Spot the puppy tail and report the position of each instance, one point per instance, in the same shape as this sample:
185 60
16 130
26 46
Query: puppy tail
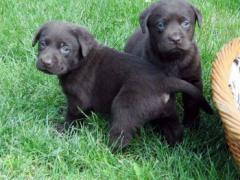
178 85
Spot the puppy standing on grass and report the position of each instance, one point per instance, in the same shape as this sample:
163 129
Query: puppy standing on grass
166 40
94 77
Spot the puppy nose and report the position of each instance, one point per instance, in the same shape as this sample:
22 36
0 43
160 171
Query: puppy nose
176 38
47 62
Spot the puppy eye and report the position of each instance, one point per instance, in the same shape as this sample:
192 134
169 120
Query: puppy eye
65 50
185 24
161 25
42 44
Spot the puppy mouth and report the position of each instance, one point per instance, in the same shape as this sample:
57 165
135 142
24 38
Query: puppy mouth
44 70
47 71
178 49
180 46
58 71
176 53
175 50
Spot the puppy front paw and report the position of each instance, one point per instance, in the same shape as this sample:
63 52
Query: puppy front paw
173 135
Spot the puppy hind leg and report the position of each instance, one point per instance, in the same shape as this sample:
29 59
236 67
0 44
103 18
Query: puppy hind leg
123 128
126 120
120 137
131 109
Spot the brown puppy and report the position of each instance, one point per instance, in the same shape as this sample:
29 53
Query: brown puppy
166 40
97 78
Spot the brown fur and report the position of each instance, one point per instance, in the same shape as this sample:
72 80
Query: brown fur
97 78
166 40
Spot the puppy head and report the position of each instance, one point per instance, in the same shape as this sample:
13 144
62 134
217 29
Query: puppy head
170 24
62 46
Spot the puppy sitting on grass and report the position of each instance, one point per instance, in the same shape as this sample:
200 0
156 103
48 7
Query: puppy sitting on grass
97 78
165 38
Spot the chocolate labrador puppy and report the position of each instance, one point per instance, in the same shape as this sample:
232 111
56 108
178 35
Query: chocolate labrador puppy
166 40
97 78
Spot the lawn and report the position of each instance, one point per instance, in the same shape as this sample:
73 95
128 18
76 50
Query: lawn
31 103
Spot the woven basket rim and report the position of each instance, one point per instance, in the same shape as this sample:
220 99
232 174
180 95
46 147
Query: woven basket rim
217 65
223 97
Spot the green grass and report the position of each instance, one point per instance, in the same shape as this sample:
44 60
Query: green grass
31 103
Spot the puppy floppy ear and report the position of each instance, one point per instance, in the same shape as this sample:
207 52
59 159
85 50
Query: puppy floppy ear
37 35
85 39
198 16
143 20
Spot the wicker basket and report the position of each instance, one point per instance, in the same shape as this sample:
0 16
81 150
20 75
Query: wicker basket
223 97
